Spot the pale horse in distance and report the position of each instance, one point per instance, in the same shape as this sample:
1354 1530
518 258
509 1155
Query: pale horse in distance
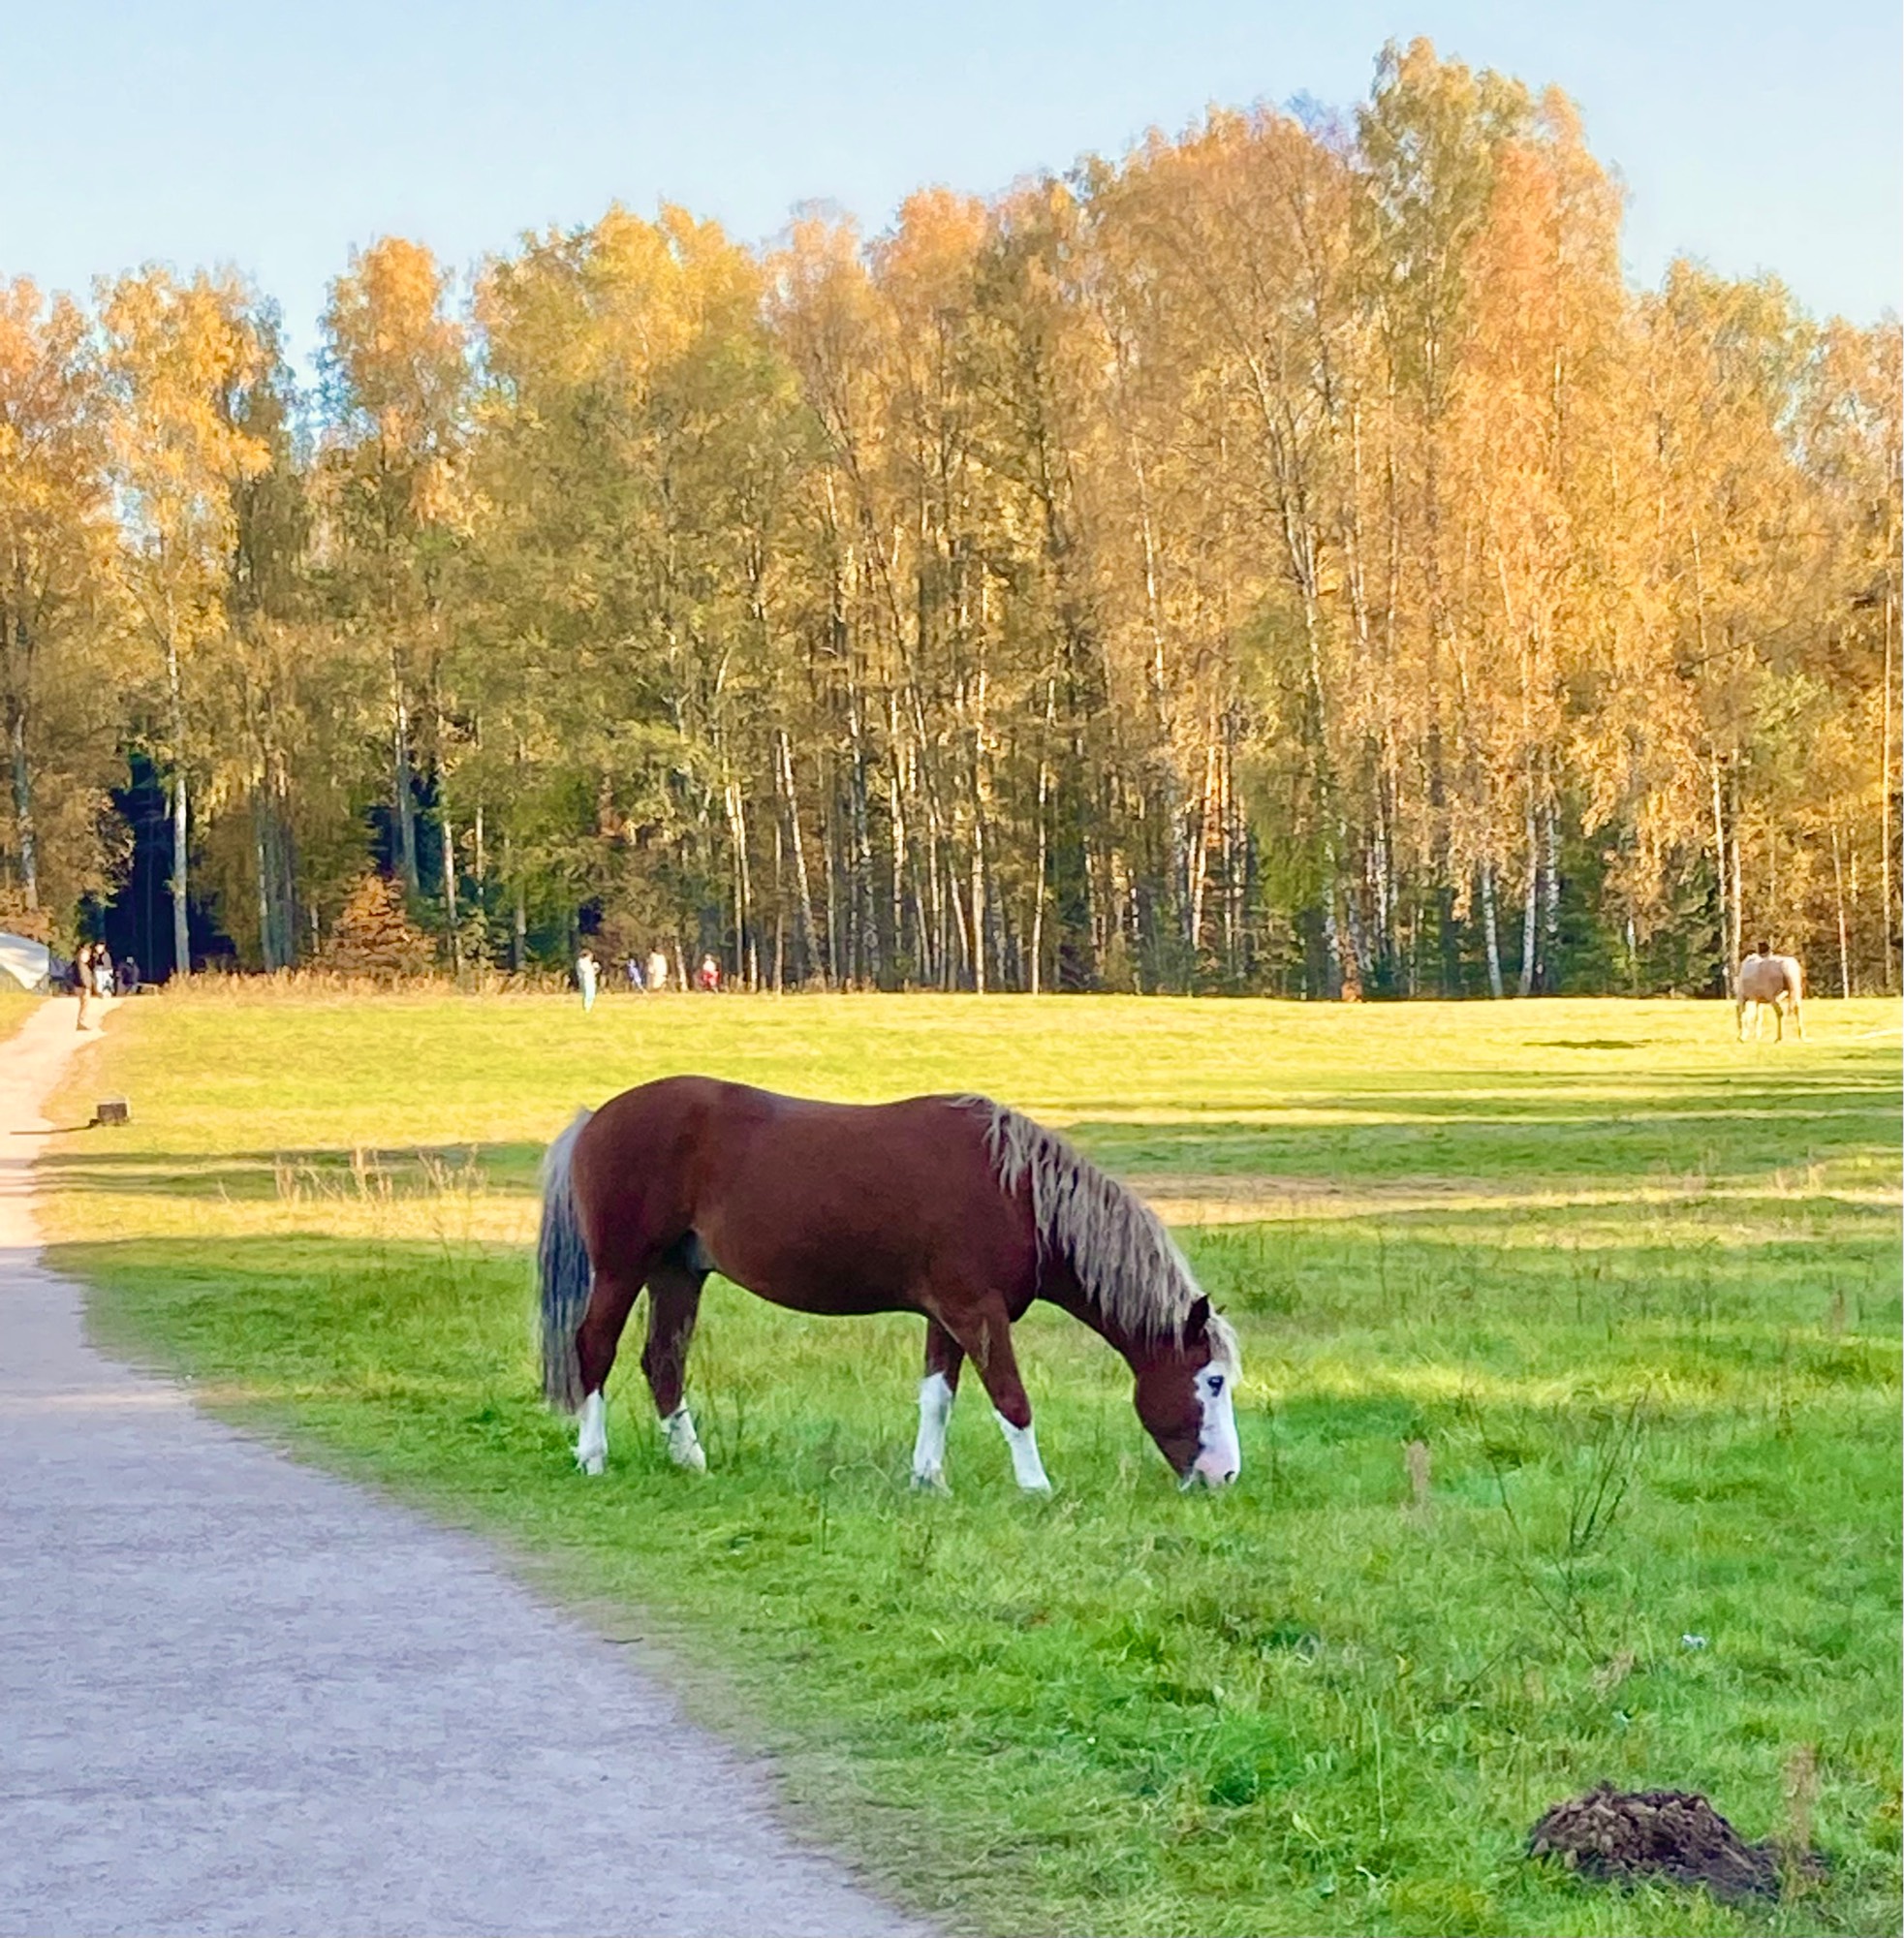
1766 979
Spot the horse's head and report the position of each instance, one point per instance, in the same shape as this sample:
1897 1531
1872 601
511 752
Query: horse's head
1184 1398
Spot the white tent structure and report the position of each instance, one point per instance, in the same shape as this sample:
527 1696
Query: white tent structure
29 964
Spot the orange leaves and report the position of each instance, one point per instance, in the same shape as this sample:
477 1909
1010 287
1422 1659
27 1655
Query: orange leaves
399 365
54 490
176 352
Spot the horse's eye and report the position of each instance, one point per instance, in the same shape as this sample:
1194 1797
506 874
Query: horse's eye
1216 1384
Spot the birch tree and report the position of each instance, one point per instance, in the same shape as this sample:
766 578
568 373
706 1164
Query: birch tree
176 350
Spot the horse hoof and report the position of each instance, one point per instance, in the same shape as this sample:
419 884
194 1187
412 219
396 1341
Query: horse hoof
930 1484
590 1463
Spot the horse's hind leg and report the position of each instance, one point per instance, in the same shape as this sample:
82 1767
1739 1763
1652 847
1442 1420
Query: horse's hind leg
673 1305
610 1301
943 1356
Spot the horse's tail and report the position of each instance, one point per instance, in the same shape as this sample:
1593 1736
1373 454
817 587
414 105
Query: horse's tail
563 1267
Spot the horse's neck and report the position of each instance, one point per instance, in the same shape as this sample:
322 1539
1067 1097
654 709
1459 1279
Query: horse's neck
1059 1287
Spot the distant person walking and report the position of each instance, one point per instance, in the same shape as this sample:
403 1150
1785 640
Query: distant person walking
86 975
708 976
633 968
588 972
657 971
129 976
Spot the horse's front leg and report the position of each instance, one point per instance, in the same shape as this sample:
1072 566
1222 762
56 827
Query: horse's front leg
611 1300
984 1331
673 1305
937 1389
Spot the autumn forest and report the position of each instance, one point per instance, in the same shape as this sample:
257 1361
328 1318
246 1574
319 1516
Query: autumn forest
1288 557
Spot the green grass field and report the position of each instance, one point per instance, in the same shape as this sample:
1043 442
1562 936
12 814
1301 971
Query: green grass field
1635 1286
15 1006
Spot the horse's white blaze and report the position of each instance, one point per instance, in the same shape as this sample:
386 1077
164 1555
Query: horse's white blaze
935 1405
592 1443
682 1441
1219 1456
1028 1468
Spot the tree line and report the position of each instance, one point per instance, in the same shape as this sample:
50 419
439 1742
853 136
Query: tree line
1288 557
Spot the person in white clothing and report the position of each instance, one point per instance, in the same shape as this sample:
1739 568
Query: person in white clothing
588 971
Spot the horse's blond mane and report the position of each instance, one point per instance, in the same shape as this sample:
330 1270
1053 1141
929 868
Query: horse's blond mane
1125 1261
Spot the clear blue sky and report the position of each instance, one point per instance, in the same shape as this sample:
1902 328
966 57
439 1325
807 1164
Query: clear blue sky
1753 134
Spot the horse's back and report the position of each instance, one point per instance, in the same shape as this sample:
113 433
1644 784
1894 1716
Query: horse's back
1764 978
725 1117
820 1205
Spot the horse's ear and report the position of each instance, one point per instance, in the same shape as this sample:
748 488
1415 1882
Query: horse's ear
1198 1320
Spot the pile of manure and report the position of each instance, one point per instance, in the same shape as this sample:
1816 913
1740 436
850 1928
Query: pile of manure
1626 1836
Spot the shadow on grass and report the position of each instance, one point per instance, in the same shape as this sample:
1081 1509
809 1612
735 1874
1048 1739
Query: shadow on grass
1549 1141
1547 1135
409 1170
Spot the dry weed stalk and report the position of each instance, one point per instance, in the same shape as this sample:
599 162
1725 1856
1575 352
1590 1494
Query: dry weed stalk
1800 1799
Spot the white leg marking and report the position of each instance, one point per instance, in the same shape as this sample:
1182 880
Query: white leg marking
1025 1463
683 1442
935 1405
592 1444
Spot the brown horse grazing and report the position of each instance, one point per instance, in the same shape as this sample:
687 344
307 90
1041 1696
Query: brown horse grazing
1765 979
953 1207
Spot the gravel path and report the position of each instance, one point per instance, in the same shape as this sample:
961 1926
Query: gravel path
240 1696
